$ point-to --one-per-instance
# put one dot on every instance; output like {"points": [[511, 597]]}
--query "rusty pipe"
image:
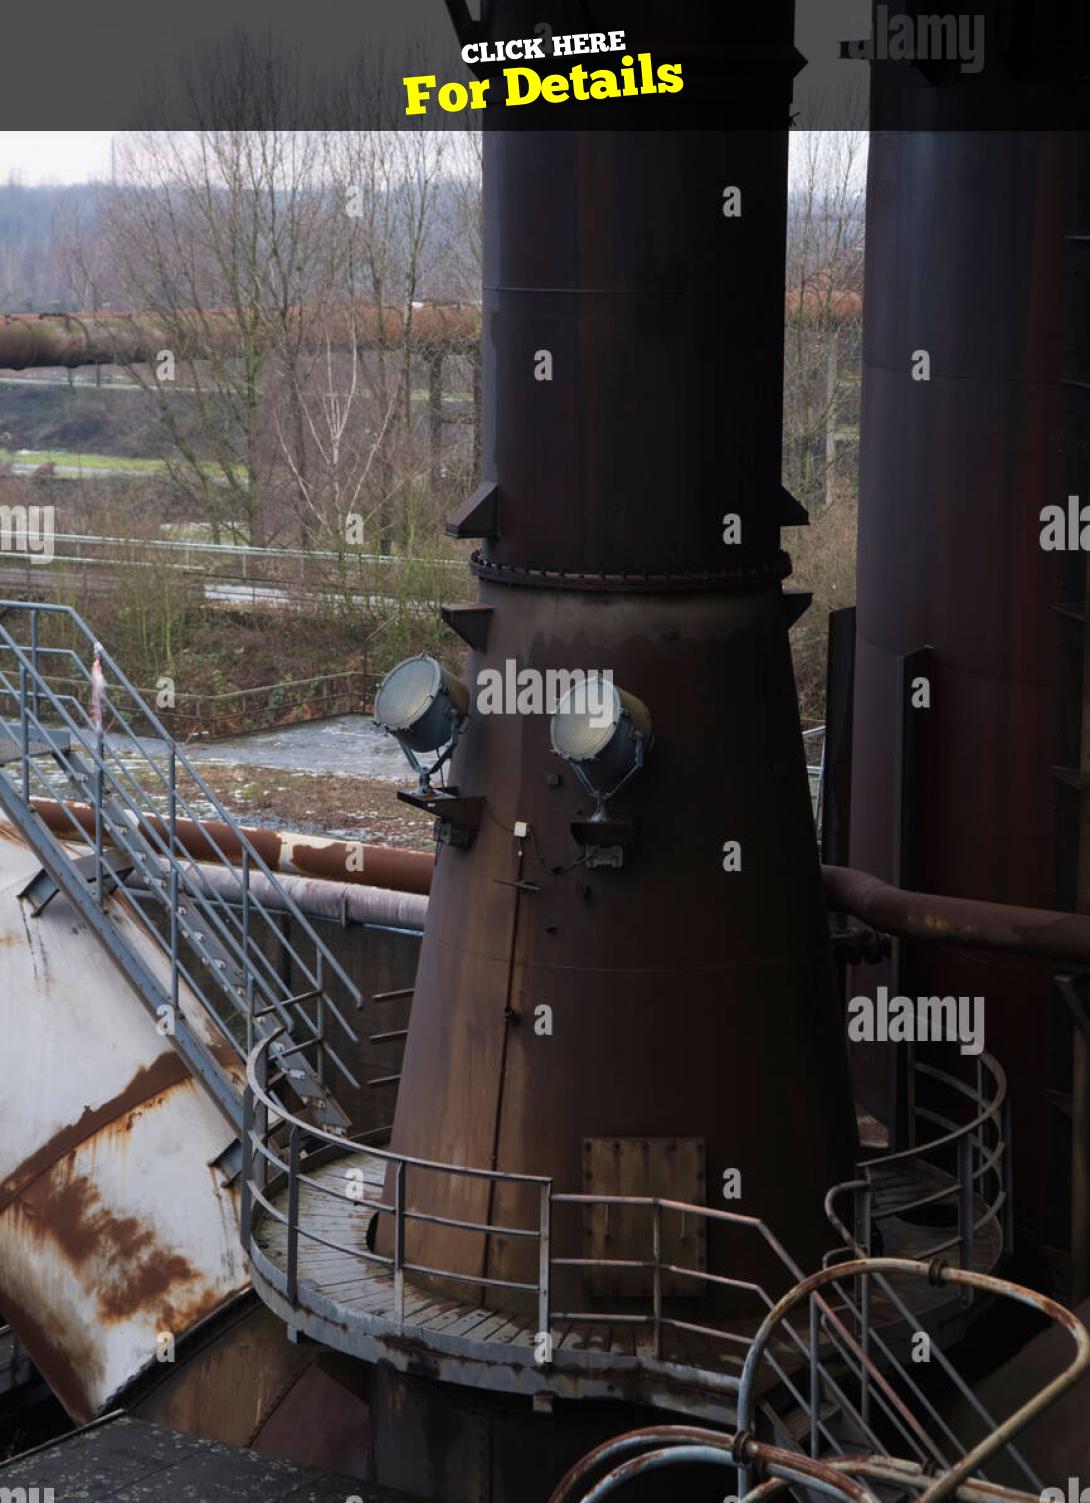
{"points": [[74, 339], [694, 1443], [980, 925], [281, 850]]}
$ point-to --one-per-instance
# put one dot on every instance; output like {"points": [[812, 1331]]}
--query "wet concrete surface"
{"points": [[129, 1461]]}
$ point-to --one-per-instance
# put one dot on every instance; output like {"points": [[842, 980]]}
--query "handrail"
{"points": [[232, 963], [161, 731], [251, 550], [935, 1273], [831, 1471], [863, 1353]]}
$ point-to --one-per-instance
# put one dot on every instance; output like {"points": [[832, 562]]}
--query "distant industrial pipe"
{"points": [[74, 339], [957, 921]]}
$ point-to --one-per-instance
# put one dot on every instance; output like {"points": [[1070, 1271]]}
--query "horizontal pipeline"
{"points": [[303, 855], [75, 339], [1039, 932], [343, 902], [971, 922]]}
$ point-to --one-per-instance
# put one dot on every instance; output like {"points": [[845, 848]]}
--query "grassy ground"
{"points": [[64, 458], [364, 809]]}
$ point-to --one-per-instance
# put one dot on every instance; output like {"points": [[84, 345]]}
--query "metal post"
{"points": [[247, 968], [864, 1308], [544, 1300], [245, 1200], [399, 1243], [1007, 1166], [815, 1382], [965, 1209], [261, 1121], [656, 1253], [98, 813], [293, 1214], [172, 816], [34, 667], [24, 729]]}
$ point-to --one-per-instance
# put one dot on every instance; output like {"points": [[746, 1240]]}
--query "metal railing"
{"points": [[636, 1453], [852, 1375], [236, 966], [235, 712], [966, 1163]]}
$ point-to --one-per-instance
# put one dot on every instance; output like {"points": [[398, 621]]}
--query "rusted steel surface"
{"points": [[675, 992], [75, 339], [115, 1226], [966, 922], [954, 474], [282, 850]]}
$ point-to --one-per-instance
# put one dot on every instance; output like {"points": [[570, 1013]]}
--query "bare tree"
{"points": [[211, 235], [823, 311], [356, 455]]}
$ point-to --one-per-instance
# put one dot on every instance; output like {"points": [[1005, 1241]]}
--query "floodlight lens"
{"points": [[421, 704], [405, 693], [602, 732], [585, 720]]}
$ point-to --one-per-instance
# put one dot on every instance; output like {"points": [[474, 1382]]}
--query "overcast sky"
{"points": [[54, 156]]}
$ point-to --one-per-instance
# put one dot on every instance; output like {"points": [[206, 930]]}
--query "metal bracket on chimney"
{"points": [[795, 602], [792, 513], [458, 816], [479, 516], [471, 622]]}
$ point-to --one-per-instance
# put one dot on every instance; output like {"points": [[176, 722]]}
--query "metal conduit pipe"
{"points": [[979, 925]]}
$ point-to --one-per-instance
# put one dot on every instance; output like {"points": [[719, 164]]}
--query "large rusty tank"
{"points": [[972, 257]]}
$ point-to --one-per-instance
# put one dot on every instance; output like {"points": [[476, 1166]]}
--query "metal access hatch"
{"points": [[668, 1168]]}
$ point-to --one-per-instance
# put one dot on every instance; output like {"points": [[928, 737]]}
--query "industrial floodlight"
{"points": [[423, 707], [602, 733]]}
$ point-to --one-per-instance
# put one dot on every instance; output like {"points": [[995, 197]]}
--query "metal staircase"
{"points": [[219, 968]]}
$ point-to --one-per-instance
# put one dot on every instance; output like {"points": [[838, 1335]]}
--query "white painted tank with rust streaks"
{"points": [[116, 1228]]}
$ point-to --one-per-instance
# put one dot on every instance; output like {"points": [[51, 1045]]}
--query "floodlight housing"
{"points": [[603, 733], [423, 706]]}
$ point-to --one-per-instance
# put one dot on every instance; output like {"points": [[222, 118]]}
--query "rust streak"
{"points": [[132, 1271], [67, 1358], [150, 1081]]}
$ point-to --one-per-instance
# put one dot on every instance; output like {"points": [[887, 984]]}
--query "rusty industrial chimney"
{"points": [[642, 1003]]}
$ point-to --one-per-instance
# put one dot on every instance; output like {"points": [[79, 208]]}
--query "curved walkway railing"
{"points": [[842, 1369], [966, 1160]]}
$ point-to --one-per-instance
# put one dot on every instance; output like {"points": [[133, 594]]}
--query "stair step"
{"points": [[41, 889]]}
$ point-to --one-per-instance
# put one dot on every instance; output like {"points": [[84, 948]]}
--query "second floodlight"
{"points": [[602, 733]]}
